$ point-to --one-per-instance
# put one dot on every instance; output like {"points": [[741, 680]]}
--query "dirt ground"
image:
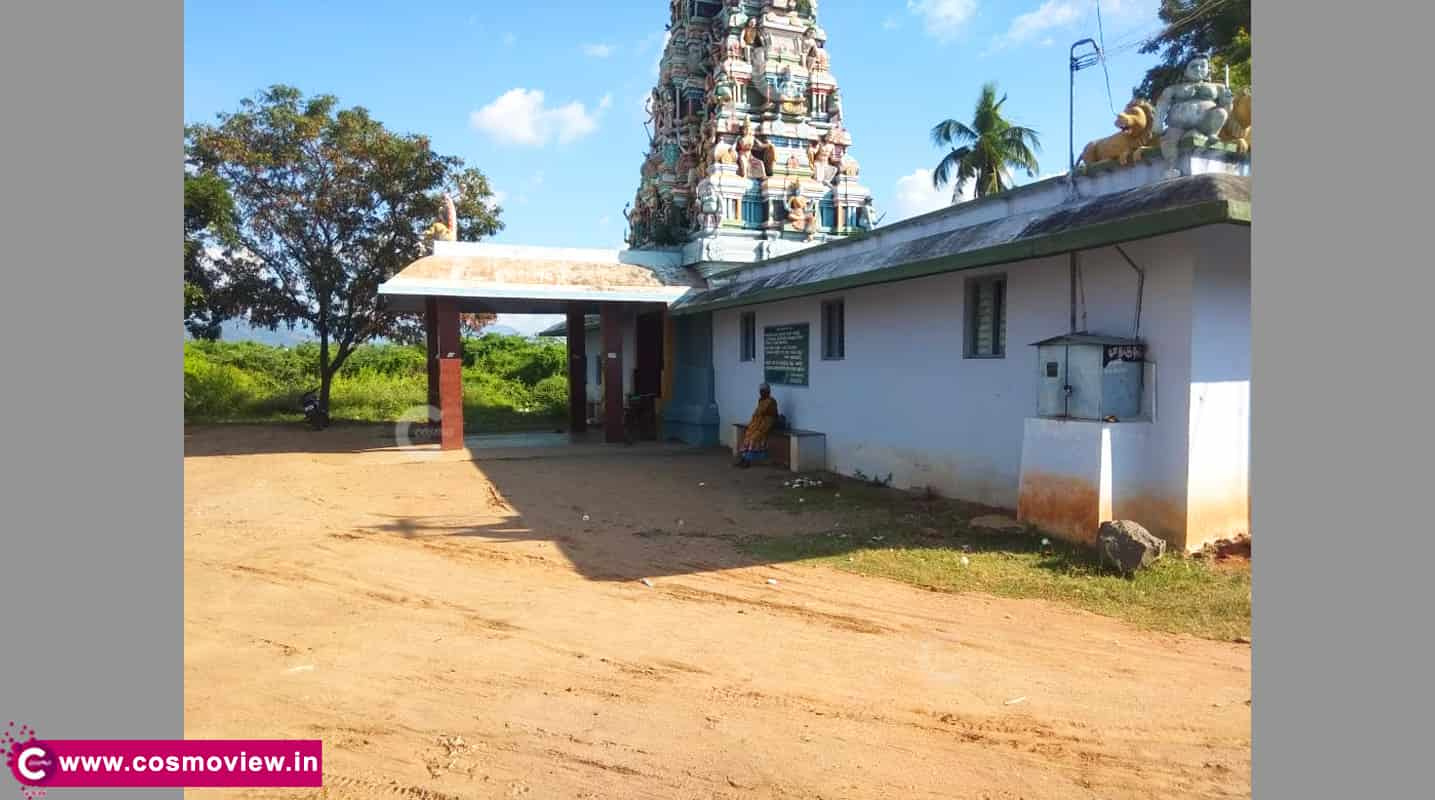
{"points": [[460, 628]]}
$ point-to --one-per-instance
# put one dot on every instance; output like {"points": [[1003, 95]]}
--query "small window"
{"points": [[749, 336], [834, 330], [986, 317]]}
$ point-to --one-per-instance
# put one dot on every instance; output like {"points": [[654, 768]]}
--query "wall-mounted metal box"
{"points": [[1087, 376]]}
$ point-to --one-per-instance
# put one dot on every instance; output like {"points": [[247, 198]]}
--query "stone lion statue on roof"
{"points": [[1136, 130]]}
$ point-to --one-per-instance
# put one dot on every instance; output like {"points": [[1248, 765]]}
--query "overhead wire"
{"points": [[1133, 41], [1101, 39]]}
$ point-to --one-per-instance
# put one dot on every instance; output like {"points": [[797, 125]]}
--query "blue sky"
{"points": [[546, 97]]}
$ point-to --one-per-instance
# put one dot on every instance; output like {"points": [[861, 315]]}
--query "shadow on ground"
{"points": [[625, 513], [655, 510]]}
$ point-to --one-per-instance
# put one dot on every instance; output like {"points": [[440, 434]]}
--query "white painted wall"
{"points": [[905, 401], [593, 346], [1219, 490]]}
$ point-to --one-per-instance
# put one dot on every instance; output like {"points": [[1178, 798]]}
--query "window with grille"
{"points": [[834, 330], [986, 317], [749, 336]]}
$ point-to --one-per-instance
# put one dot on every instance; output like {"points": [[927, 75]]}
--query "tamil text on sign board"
{"points": [[1123, 352], [784, 354]]}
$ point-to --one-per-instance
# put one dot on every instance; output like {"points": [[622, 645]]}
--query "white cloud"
{"points": [[606, 102], [943, 19], [915, 194], [1052, 14], [521, 117], [598, 50]]}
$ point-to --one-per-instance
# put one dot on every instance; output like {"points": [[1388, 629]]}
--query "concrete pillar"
{"points": [[431, 343], [611, 324], [577, 372], [450, 374]]}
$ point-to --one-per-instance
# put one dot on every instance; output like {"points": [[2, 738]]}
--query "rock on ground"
{"points": [[1128, 545]]}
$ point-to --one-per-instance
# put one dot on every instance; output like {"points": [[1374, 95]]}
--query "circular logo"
{"points": [[34, 763], [417, 427]]}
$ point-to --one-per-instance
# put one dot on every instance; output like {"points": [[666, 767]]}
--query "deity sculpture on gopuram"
{"points": [[746, 139]]}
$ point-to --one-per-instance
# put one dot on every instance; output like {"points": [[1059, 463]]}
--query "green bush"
{"points": [[515, 358], [386, 359], [282, 365], [509, 382], [550, 396], [217, 389]]}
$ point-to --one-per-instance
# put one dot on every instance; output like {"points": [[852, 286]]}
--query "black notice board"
{"points": [[784, 354]]}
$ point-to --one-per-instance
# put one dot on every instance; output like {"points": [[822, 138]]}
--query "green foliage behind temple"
{"points": [[510, 383]]}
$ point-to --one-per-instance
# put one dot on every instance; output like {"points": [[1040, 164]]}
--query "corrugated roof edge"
{"points": [[590, 323], [1141, 226]]}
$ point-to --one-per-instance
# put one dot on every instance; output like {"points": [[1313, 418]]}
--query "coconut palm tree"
{"points": [[984, 151]]}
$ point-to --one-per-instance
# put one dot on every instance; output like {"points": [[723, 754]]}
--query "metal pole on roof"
{"points": [[1078, 62]]}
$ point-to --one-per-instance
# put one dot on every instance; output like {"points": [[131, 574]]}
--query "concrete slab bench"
{"points": [[798, 450]]}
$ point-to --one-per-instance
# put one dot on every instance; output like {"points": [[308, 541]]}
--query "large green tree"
{"points": [[1220, 29], [328, 205], [208, 222], [984, 151]]}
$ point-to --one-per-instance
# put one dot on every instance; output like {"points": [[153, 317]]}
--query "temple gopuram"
{"points": [[748, 157]]}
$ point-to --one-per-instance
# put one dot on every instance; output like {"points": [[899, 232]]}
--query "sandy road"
{"points": [[456, 629]]}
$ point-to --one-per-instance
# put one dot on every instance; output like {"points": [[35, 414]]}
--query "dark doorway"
{"points": [[648, 372], [647, 376]]}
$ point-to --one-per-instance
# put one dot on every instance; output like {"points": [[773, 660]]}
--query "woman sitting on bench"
{"points": [[754, 441]]}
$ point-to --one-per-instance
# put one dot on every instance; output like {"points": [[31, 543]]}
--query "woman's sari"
{"points": [[754, 442]]}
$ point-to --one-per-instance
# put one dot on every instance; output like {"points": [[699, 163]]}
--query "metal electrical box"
{"points": [[1087, 376]]}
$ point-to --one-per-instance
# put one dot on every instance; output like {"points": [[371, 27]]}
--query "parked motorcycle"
{"points": [[314, 412]]}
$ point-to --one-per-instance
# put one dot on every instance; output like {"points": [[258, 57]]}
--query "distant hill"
{"points": [[241, 331]]}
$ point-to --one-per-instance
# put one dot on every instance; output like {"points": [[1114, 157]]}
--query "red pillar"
{"points": [[611, 322], [577, 372], [450, 375], [431, 342]]}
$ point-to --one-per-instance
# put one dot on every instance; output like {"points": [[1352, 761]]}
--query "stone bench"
{"points": [[794, 448]]}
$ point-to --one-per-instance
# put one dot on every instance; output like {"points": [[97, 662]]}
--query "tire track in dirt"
{"points": [[838, 621]]}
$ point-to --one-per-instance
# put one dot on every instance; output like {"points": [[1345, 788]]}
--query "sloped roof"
{"points": [[536, 280], [560, 328], [1137, 213]]}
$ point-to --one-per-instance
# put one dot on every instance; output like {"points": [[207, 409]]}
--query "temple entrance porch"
{"points": [[630, 378], [617, 326]]}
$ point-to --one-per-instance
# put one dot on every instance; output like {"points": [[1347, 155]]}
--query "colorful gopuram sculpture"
{"points": [[747, 146]]}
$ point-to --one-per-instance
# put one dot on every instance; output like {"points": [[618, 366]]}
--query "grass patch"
{"points": [[921, 541]]}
